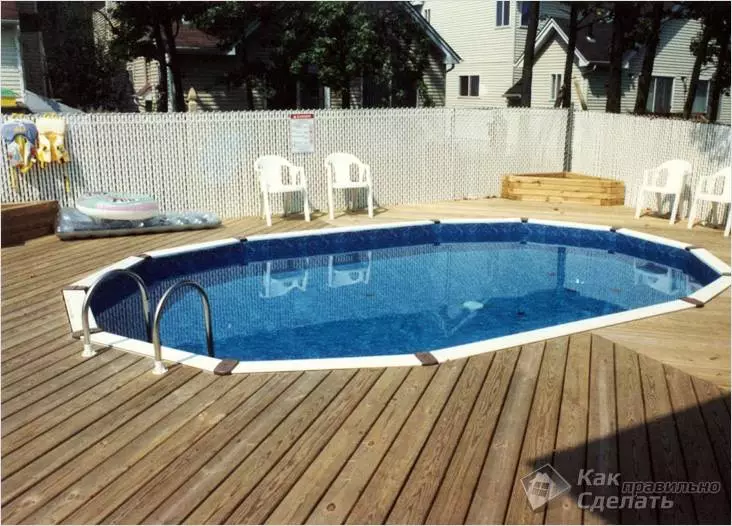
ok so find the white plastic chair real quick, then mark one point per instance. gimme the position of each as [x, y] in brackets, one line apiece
[705, 191]
[667, 178]
[660, 277]
[338, 171]
[277, 175]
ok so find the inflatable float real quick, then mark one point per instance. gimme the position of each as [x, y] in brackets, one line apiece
[109, 205]
[108, 214]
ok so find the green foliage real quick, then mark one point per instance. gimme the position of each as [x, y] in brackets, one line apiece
[80, 72]
[334, 41]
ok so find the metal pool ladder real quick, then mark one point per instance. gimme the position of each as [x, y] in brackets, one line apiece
[159, 367]
[89, 351]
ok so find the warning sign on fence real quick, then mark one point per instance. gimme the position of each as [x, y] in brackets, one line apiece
[302, 132]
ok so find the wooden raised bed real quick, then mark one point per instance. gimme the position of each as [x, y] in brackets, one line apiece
[24, 221]
[563, 187]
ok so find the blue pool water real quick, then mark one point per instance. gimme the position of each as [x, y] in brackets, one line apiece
[399, 290]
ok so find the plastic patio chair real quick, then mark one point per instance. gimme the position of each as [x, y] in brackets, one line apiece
[350, 270]
[705, 191]
[279, 282]
[277, 175]
[338, 171]
[667, 178]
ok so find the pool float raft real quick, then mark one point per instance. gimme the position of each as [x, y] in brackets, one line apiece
[110, 205]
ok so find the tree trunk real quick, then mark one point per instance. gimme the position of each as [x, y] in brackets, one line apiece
[346, 96]
[569, 60]
[528, 69]
[701, 55]
[617, 48]
[179, 102]
[644, 81]
[162, 102]
[717, 85]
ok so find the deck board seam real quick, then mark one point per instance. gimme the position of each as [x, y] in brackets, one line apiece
[490, 442]
[463, 369]
[255, 447]
[457, 443]
[294, 443]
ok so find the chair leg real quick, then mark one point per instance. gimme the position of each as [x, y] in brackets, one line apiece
[675, 209]
[330, 203]
[371, 202]
[692, 213]
[728, 228]
[638, 204]
[306, 205]
[267, 210]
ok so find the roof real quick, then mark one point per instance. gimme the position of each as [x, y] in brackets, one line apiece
[515, 90]
[591, 47]
[191, 38]
[450, 56]
[8, 10]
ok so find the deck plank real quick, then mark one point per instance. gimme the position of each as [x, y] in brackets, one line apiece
[701, 466]
[378, 497]
[491, 496]
[666, 456]
[570, 453]
[541, 431]
[634, 460]
[416, 497]
[302, 497]
[335, 505]
[602, 445]
[278, 396]
[452, 501]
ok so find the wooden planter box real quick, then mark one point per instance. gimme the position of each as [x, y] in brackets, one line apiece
[563, 187]
[24, 221]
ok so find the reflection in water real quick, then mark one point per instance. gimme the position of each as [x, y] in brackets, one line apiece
[349, 269]
[282, 276]
[664, 279]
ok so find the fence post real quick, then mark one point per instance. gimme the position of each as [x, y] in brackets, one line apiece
[568, 139]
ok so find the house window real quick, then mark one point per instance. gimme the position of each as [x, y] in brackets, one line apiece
[427, 14]
[701, 97]
[659, 96]
[524, 8]
[503, 13]
[469, 85]
[555, 87]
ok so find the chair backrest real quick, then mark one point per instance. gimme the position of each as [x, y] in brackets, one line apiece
[340, 165]
[726, 175]
[271, 169]
[675, 172]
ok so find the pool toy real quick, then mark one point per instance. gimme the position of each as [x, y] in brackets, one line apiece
[21, 140]
[111, 205]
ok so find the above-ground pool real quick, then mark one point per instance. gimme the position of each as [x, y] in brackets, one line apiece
[399, 294]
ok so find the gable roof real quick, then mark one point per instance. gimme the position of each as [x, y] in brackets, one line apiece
[450, 56]
[590, 48]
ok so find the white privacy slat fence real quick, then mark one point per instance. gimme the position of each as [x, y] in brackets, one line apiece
[204, 161]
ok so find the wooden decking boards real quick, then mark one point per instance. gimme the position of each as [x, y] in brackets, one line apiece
[102, 440]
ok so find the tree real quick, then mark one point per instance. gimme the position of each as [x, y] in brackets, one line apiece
[721, 78]
[649, 57]
[624, 17]
[710, 45]
[528, 67]
[80, 72]
[569, 59]
[148, 29]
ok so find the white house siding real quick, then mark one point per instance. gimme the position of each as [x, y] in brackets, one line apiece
[434, 81]
[469, 26]
[11, 74]
[550, 61]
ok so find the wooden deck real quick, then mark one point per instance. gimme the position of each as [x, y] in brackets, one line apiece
[105, 441]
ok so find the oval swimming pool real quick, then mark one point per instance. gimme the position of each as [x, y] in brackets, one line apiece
[431, 290]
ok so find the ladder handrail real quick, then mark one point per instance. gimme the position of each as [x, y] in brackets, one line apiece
[159, 366]
[86, 306]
